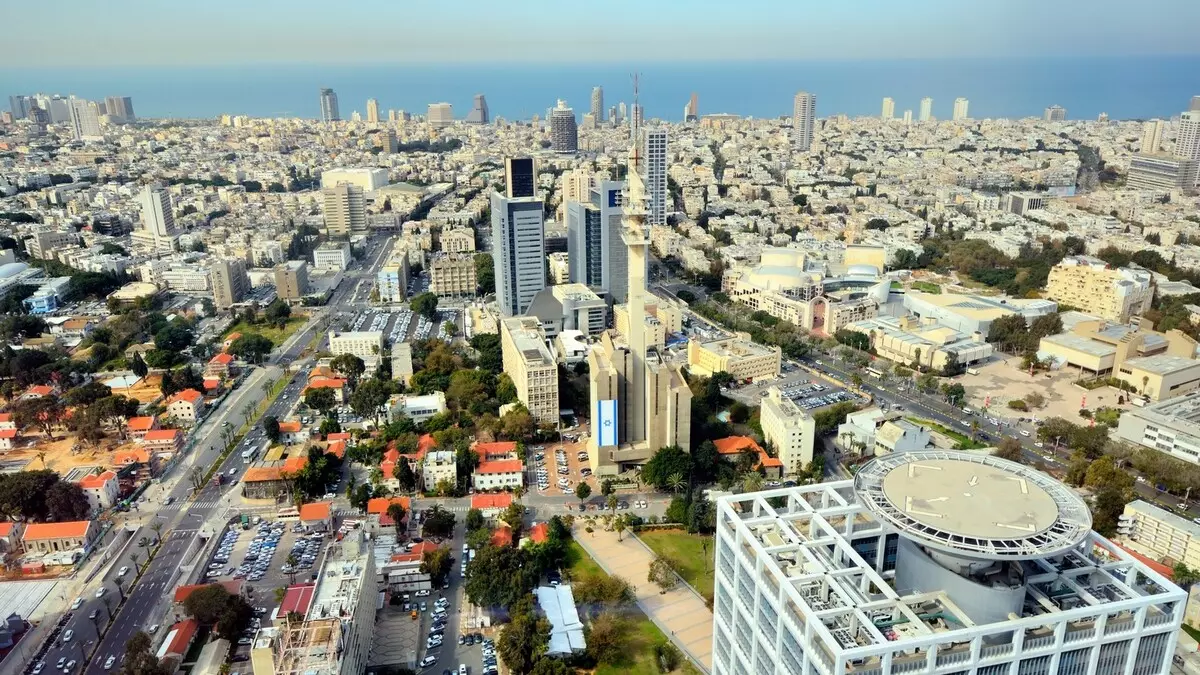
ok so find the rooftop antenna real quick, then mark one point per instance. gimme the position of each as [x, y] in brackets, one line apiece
[633, 115]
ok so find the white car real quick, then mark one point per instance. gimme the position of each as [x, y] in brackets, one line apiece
[1024, 433]
[101, 591]
[108, 663]
[125, 570]
[77, 604]
[422, 593]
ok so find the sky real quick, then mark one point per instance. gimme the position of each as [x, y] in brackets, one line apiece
[91, 33]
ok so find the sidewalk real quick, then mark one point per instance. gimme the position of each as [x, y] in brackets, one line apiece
[680, 613]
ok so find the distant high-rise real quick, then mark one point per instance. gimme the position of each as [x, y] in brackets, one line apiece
[440, 115]
[598, 104]
[157, 217]
[960, 109]
[519, 177]
[1194, 106]
[119, 108]
[479, 111]
[518, 251]
[622, 112]
[372, 111]
[907, 117]
[20, 105]
[638, 116]
[889, 108]
[85, 120]
[926, 109]
[1152, 134]
[1054, 113]
[329, 106]
[564, 134]
[1187, 140]
[612, 115]
[655, 154]
[691, 112]
[229, 281]
[804, 116]
[1102, 117]
[58, 107]
[344, 209]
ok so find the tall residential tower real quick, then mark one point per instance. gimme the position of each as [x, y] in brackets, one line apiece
[564, 134]
[960, 109]
[329, 106]
[804, 116]
[598, 104]
[889, 108]
[926, 112]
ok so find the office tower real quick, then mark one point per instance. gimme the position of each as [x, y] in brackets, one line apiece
[564, 135]
[655, 154]
[598, 103]
[355, 116]
[597, 255]
[907, 117]
[519, 177]
[57, 106]
[372, 111]
[440, 115]
[344, 209]
[157, 217]
[19, 105]
[85, 120]
[691, 111]
[1194, 106]
[1054, 113]
[229, 281]
[933, 561]
[926, 109]
[291, 280]
[889, 108]
[1102, 117]
[804, 116]
[518, 251]
[1187, 140]
[119, 108]
[329, 106]
[622, 112]
[613, 116]
[479, 111]
[1152, 133]
[960, 109]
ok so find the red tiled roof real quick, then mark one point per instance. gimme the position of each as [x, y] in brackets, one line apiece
[40, 390]
[381, 504]
[500, 466]
[72, 529]
[340, 436]
[6, 417]
[539, 533]
[294, 464]
[8, 433]
[133, 456]
[316, 511]
[500, 500]
[96, 480]
[502, 536]
[289, 427]
[182, 634]
[297, 599]
[326, 382]
[497, 448]
[190, 395]
[733, 445]
[6, 529]
[257, 474]
[161, 435]
[223, 359]
[212, 383]
[140, 423]
[234, 586]
[337, 449]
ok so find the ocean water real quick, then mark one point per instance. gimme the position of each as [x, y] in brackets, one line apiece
[1124, 87]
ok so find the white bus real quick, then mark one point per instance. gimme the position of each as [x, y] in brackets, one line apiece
[874, 373]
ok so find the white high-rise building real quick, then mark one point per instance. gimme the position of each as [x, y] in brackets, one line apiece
[372, 111]
[157, 217]
[598, 104]
[1152, 134]
[440, 115]
[907, 117]
[960, 109]
[329, 106]
[930, 562]
[85, 120]
[518, 251]
[889, 108]
[656, 175]
[926, 110]
[1187, 140]
[804, 116]
[1055, 113]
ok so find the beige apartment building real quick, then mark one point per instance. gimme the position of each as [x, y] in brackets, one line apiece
[229, 281]
[1159, 534]
[452, 274]
[788, 428]
[531, 366]
[345, 209]
[291, 280]
[739, 356]
[460, 240]
[1091, 285]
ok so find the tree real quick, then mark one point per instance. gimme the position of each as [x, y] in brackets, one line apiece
[436, 563]
[1035, 400]
[87, 394]
[404, 474]
[662, 574]
[517, 424]
[66, 502]
[666, 462]
[954, 393]
[438, 523]
[396, 512]
[173, 338]
[583, 491]
[1009, 448]
[270, 425]
[611, 502]
[349, 365]
[475, 520]
[368, 399]
[251, 347]
[608, 638]
[425, 304]
[140, 659]
[498, 577]
[277, 313]
[138, 366]
[321, 399]
[213, 604]
[1184, 575]
[524, 639]
[449, 329]
[43, 412]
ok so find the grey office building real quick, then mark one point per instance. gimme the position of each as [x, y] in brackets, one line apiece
[598, 255]
[518, 251]
[520, 177]
[329, 106]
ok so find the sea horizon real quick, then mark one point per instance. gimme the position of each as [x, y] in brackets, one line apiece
[1137, 87]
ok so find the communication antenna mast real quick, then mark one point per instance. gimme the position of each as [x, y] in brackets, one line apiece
[633, 114]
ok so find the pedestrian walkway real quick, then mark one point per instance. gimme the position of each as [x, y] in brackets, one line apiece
[679, 613]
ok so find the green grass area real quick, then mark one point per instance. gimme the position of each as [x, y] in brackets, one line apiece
[276, 335]
[1195, 634]
[927, 287]
[644, 635]
[687, 550]
[963, 441]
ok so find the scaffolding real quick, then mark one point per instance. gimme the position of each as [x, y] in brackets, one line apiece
[308, 647]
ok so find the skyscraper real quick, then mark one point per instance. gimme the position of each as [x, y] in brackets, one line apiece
[229, 281]
[344, 209]
[157, 217]
[1054, 113]
[479, 111]
[1152, 133]
[907, 117]
[440, 115]
[1187, 140]
[656, 176]
[329, 106]
[598, 103]
[926, 109]
[622, 112]
[519, 177]
[119, 108]
[518, 248]
[1194, 106]
[372, 111]
[691, 111]
[19, 105]
[804, 115]
[889, 108]
[960, 109]
[596, 252]
[564, 134]
[85, 120]
[612, 115]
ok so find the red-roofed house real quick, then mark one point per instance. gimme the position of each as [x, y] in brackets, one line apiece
[340, 436]
[179, 640]
[234, 586]
[187, 406]
[162, 440]
[54, 537]
[538, 534]
[377, 516]
[38, 391]
[219, 366]
[733, 446]
[491, 505]
[292, 432]
[497, 450]
[502, 536]
[123, 458]
[500, 474]
[212, 385]
[337, 449]
[317, 516]
[297, 599]
[8, 439]
[6, 421]
[293, 465]
[101, 489]
[138, 426]
[10, 536]
[337, 384]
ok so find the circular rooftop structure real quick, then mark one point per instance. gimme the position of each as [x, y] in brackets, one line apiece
[976, 506]
[12, 269]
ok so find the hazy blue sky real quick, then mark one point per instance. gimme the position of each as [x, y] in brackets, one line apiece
[173, 32]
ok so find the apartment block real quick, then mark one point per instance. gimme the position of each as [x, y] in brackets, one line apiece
[459, 240]
[1171, 427]
[739, 356]
[1092, 286]
[291, 280]
[230, 283]
[391, 282]
[334, 256]
[1159, 534]
[452, 274]
[532, 367]
[366, 344]
[344, 209]
[789, 428]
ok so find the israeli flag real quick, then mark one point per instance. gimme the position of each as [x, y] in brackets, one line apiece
[607, 422]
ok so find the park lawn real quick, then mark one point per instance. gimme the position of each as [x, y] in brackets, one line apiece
[644, 635]
[1195, 634]
[964, 442]
[927, 287]
[275, 335]
[694, 565]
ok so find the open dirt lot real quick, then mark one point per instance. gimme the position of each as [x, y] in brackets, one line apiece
[1004, 381]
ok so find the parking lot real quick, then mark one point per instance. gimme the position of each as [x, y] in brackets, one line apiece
[401, 324]
[269, 555]
[811, 396]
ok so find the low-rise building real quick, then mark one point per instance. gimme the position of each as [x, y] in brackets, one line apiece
[568, 307]
[439, 466]
[500, 474]
[219, 366]
[458, 240]
[900, 435]
[293, 432]
[317, 516]
[452, 274]
[366, 344]
[908, 341]
[162, 441]
[334, 256]
[789, 429]
[1161, 364]
[741, 357]
[56, 537]
[732, 447]
[970, 314]
[291, 280]
[491, 505]
[417, 408]
[186, 407]
[101, 489]
[1171, 426]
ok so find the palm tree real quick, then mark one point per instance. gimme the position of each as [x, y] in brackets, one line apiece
[42, 456]
[974, 428]
[291, 561]
[619, 524]
[612, 503]
[1145, 381]
[676, 482]
[752, 482]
